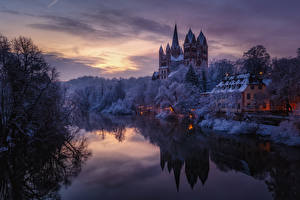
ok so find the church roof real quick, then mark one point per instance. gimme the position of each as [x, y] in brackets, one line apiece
[202, 39]
[168, 47]
[161, 49]
[190, 37]
[175, 42]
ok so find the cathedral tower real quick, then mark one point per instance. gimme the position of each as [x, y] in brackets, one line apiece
[190, 48]
[202, 50]
[175, 49]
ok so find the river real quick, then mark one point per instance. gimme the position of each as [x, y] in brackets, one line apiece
[150, 159]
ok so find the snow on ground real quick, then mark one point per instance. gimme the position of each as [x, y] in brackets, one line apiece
[179, 58]
[120, 107]
[2, 149]
[229, 126]
[286, 133]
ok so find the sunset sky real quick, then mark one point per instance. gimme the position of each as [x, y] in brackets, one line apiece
[121, 38]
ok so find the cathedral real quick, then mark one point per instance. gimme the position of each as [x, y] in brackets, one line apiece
[195, 53]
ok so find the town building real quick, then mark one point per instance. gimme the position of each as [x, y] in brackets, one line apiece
[248, 93]
[242, 93]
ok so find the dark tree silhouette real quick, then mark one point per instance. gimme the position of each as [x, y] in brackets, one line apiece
[285, 85]
[256, 60]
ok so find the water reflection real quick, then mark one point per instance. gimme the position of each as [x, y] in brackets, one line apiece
[38, 169]
[192, 157]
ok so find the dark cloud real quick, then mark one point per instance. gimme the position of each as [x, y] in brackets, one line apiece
[145, 61]
[121, 19]
[74, 27]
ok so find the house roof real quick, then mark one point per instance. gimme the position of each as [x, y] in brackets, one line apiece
[237, 83]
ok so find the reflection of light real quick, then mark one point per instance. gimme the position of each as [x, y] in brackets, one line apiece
[265, 147]
[141, 113]
[191, 116]
[171, 109]
[190, 126]
[260, 73]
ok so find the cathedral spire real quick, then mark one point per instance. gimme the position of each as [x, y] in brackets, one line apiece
[175, 42]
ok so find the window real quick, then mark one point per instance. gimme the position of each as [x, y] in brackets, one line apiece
[252, 87]
[248, 96]
[248, 105]
[264, 105]
[260, 87]
[239, 106]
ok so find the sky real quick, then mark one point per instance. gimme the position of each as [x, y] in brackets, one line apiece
[121, 38]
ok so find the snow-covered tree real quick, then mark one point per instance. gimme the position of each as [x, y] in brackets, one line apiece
[191, 77]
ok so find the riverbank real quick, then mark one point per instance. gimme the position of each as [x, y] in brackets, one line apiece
[286, 133]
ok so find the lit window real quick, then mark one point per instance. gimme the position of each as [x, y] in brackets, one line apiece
[264, 105]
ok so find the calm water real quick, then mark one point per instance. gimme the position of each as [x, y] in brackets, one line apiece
[148, 159]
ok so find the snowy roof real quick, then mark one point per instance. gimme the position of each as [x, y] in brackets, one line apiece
[155, 74]
[179, 58]
[267, 81]
[237, 83]
[164, 67]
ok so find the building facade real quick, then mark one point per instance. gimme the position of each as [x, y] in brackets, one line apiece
[242, 93]
[194, 52]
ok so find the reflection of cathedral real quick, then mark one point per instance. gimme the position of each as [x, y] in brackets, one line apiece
[276, 166]
[196, 166]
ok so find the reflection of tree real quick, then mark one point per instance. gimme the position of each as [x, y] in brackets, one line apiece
[119, 134]
[278, 166]
[38, 170]
[106, 125]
